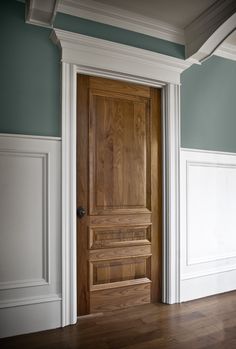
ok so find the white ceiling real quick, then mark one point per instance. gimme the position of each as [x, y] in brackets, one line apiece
[179, 13]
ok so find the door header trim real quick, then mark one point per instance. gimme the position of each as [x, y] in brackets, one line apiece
[107, 56]
[89, 56]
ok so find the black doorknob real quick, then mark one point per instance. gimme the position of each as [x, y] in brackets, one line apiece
[81, 212]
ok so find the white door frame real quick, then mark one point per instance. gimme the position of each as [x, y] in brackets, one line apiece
[86, 55]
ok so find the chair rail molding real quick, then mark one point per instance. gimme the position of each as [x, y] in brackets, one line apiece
[85, 55]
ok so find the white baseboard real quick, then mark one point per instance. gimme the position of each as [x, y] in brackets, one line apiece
[30, 318]
[207, 285]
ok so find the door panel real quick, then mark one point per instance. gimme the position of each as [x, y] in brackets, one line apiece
[119, 136]
[119, 185]
[119, 236]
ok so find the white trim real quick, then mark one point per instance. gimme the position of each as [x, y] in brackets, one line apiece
[121, 18]
[210, 29]
[214, 271]
[215, 152]
[69, 277]
[45, 280]
[7, 285]
[206, 270]
[171, 132]
[29, 300]
[37, 290]
[194, 261]
[45, 138]
[73, 47]
[226, 51]
[36, 11]
[113, 57]
[208, 285]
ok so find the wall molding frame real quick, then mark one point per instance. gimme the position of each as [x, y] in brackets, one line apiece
[30, 245]
[111, 15]
[29, 300]
[45, 279]
[207, 239]
[97, 57]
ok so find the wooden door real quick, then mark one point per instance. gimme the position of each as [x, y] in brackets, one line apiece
[119, 187]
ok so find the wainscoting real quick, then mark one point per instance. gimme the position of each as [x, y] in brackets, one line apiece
[30, 239]
[207, 223]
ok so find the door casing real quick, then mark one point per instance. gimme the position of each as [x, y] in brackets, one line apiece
[165, 76]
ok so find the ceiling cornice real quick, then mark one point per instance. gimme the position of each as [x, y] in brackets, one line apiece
[41, 13]
[201, 38]
[226, 51]
[210, 29]
[103, 13]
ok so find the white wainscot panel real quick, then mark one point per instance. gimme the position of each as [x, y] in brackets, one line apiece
[30, 232]
[208, 223]
[24, 219]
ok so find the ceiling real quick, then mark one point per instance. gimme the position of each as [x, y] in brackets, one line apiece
[200, 25]
[179, 13]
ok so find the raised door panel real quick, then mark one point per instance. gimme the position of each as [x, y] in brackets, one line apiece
[119, 236]
[119, 146]
[121, 297]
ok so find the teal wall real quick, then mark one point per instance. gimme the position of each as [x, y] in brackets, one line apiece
[208, 106]
[30, 67]
[29, 75]
[30, 81]
[122, 36]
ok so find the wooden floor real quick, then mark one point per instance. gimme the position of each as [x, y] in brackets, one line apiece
[207, 323]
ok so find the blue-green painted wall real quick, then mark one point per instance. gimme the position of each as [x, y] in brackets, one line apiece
[30, 81]
[208, 106]
[30, 67]
[29, 75]
[122, 36]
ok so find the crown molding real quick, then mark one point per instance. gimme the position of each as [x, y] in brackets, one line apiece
[210, 29]
[92, 10]
[41, 13]
[88, 52]
[226, 51]
[202, 37]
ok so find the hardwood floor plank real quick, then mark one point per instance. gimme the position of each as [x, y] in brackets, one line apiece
[208, 323]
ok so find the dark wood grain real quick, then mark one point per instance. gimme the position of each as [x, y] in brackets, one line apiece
[156, 195]
[208, 323]
[119, 185]
[83, 304]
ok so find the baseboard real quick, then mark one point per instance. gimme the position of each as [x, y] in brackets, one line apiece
[207, 285]
[30, 318]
